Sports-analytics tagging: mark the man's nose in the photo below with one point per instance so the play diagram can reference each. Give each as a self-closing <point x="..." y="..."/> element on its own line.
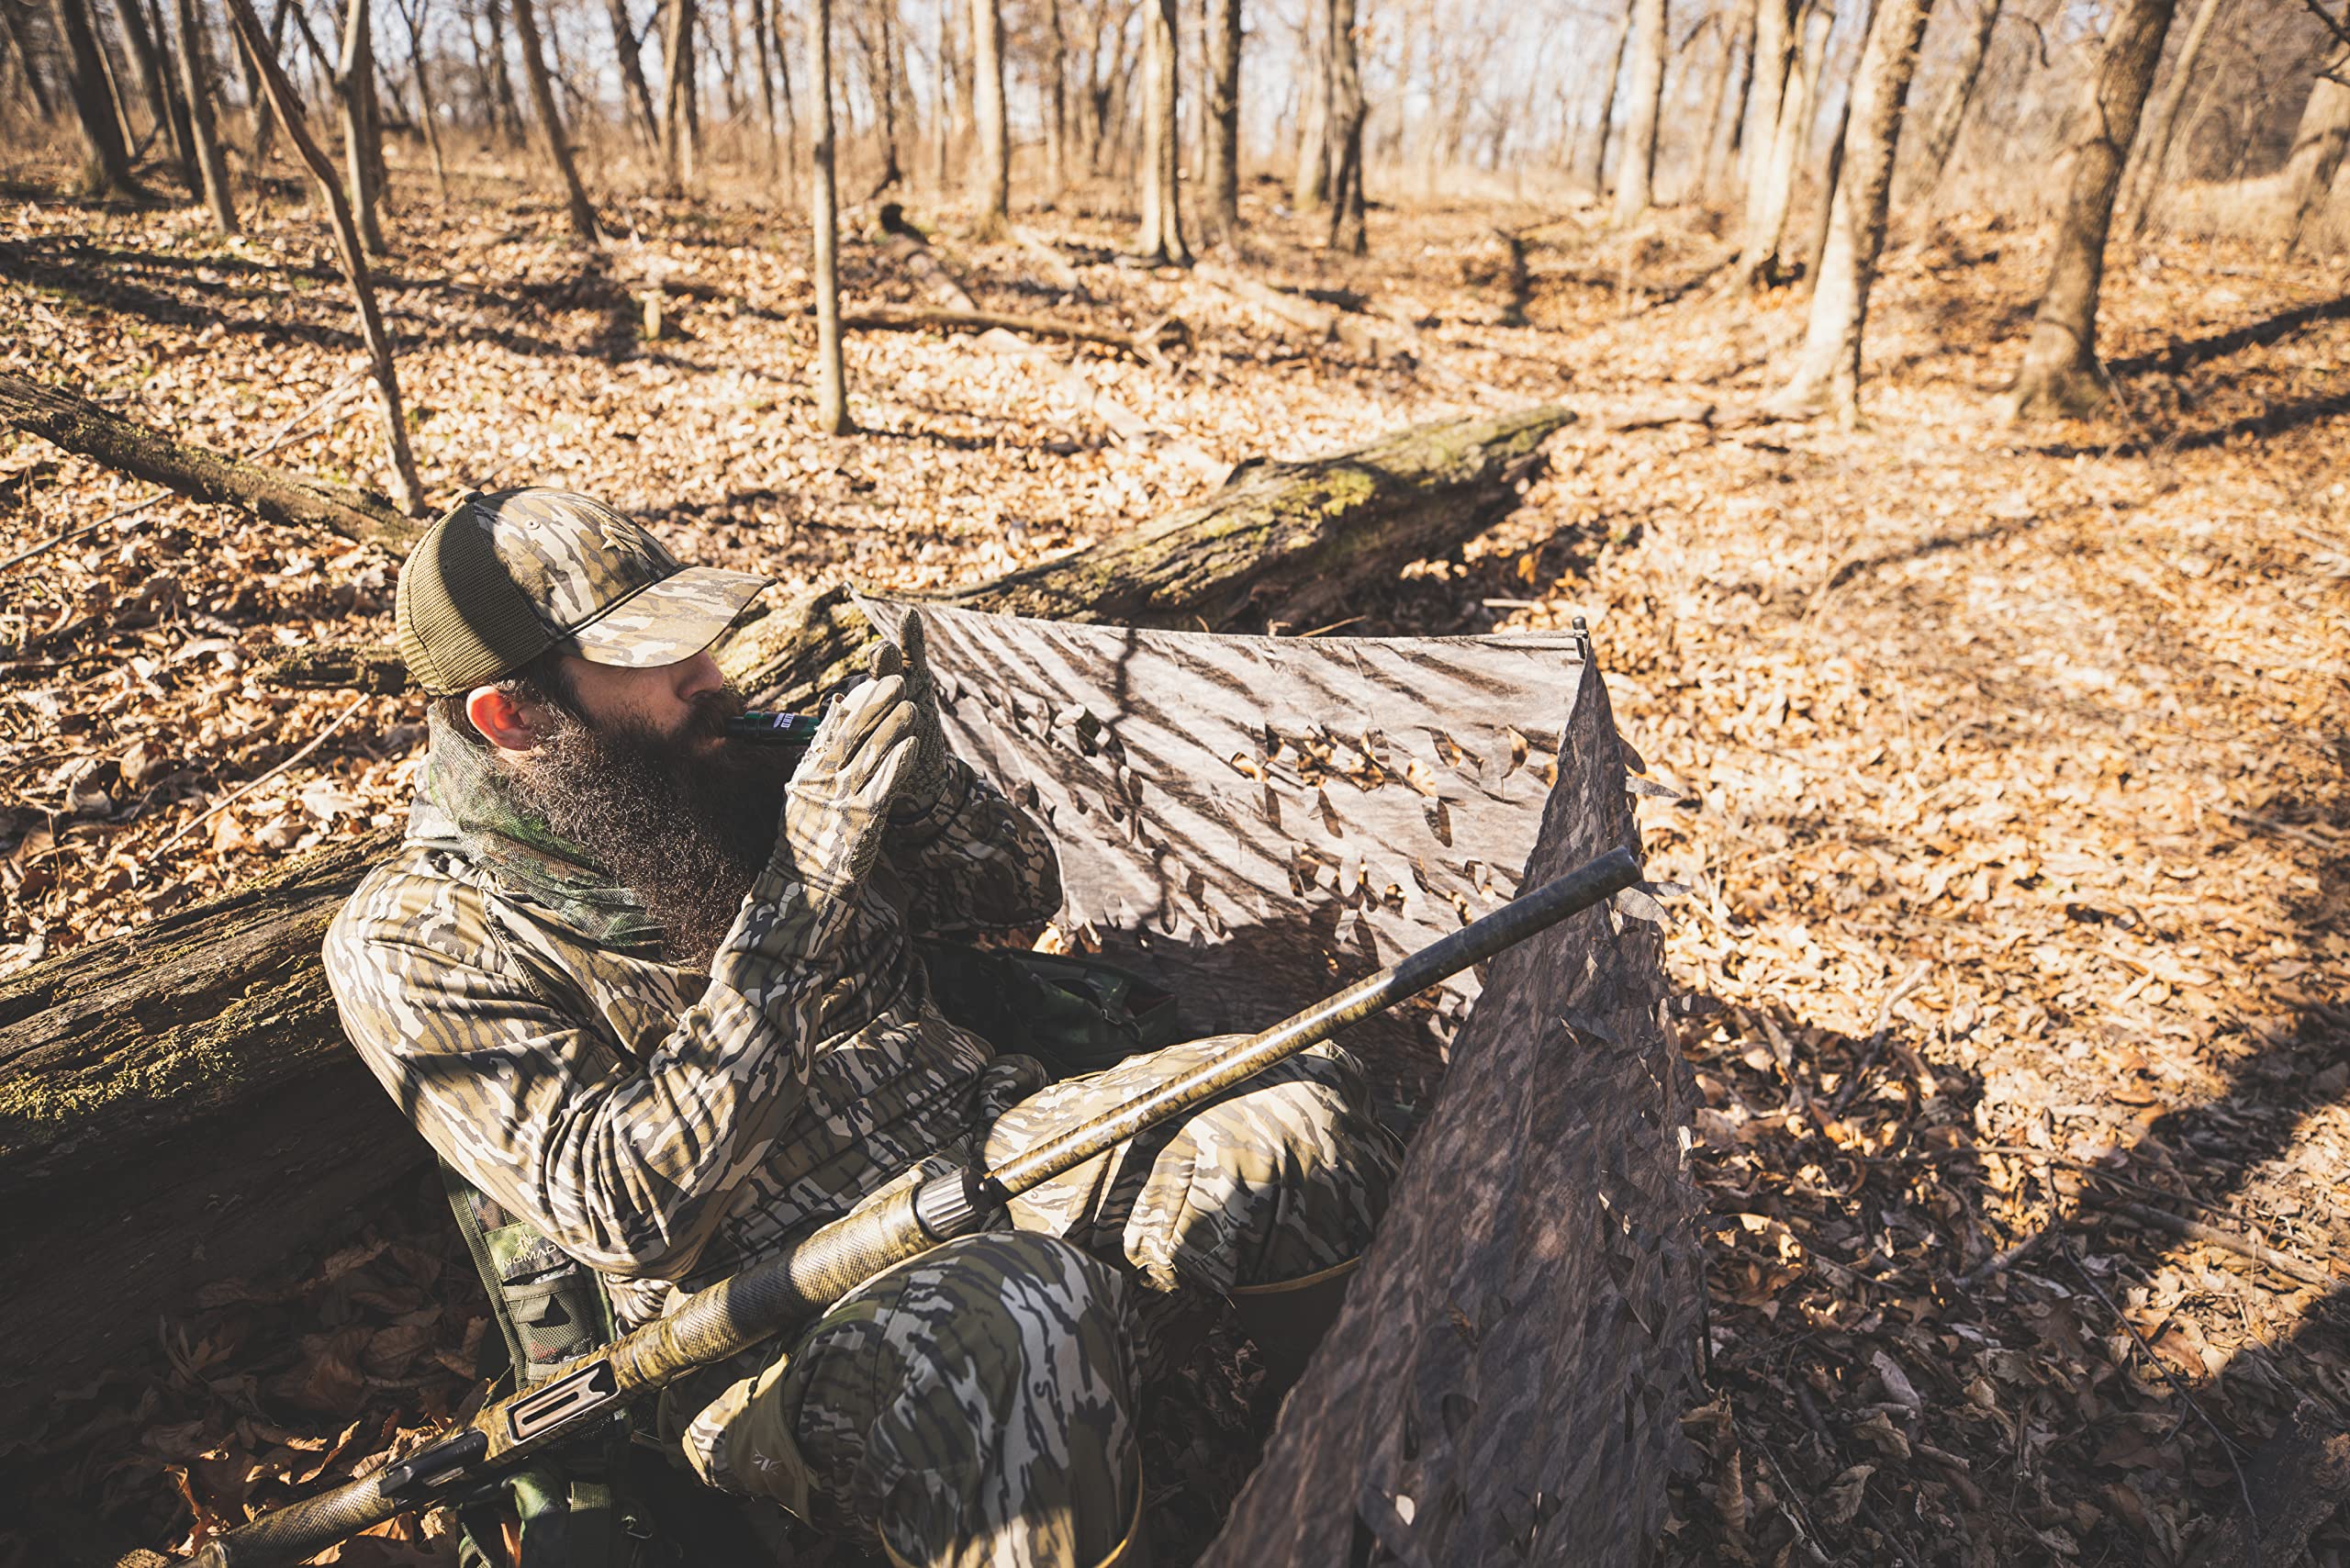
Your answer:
<point x="699" y="675"/>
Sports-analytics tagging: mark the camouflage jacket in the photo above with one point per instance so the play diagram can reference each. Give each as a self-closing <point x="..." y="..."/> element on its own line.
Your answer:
<point x="664" y="1126"/>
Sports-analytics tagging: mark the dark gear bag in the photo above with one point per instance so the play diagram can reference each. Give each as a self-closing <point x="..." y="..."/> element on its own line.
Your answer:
<point x="582" y="1506"/>
<point x="1075" y="1014"/>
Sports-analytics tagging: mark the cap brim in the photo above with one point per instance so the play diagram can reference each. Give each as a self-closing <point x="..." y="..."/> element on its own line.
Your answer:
<point x="675" y="619"/>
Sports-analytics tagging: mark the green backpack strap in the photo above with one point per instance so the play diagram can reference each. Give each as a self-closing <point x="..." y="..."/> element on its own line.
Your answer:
<point x="1074" y="1012"/>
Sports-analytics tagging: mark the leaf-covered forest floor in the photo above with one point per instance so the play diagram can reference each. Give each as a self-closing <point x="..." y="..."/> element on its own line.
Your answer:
<point x="2008" y="769"/>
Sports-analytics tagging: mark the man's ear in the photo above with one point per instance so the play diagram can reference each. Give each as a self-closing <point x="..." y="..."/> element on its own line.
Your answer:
<point x="504" y="723"/>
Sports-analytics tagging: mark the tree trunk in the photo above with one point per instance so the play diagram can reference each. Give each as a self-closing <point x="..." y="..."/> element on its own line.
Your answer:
<point x="195" y="83"/>
<point x="1778" y="145"/>
<point x="205" y="1044"/>
<point x="790" y="115"/>
<point x="1828" y="373"/>
<point x="1161" y="239"/>
<point x="991" y="170"/>
<point x="174" y="99"/>
<point x="1635" y="184"/>
<point x="677" y="79"/>
<point x="1311" y="187"/>
<point x="534" y="69"/>
<point x="1056" y="102"/>
<point x="824" y="216"/>
<point x="636" y="93"/>
<point x="264" y="118"/>
<point x="1596" y="171"/>
<point x="414" y="20"/>
<point x="196" y="472"/>
<point x="106" y="156"/>
<point x="27" y="61"/>
<point x="1223" y="212"/>
<point x="354" y="83"/>
<point x="892" y="88"/>
<point x="1737" y="41"/>
<point x="147" y="64"/>
<point x="2060" y="370"/>
<point x="1345" y="133"/>
<point x="1943" y="126"/>
<point x="406" y="492"/>
<point x="501" y="81"/>
<point x="2146" y="182"/>
<point x="2316" y="156"/>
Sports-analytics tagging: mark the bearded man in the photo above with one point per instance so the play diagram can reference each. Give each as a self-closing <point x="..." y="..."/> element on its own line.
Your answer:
<point x="659" y="999"/>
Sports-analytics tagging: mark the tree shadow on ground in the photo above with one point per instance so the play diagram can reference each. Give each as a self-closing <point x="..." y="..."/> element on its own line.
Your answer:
<point x="2179" y="354"/>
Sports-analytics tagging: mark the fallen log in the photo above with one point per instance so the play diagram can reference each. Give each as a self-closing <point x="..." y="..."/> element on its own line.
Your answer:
<point x="1281" y="541"/>
<point x="1142" y="342"/>
<point x="196" y="472"/>
<point x="175" y="1104"/>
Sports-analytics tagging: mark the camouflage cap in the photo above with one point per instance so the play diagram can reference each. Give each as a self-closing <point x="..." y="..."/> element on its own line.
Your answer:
<point x="504" y="576"/>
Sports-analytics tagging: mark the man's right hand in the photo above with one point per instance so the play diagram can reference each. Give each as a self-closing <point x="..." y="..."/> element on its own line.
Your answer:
<point x="837" y="805"/>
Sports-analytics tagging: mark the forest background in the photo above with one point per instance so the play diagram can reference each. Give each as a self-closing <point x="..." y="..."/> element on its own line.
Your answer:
<point x="1955" y="494"/>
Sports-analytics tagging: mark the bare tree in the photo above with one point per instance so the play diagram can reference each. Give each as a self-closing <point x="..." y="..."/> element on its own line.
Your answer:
<point x="195" y="83"/>
<point x="501" y="81"/>
<point x="534" y="70"/>
<point x="2153" y="155"/>
<point x="106" y="156"/>
<point x="676" y="92"/>
<point x="1737" y="30"/>
<point x="26" y="63"/>
<point x="355" y="85"/>
<point x="1828" y="373"/>
<point x="991" y="172"/>
<point x="2319" y="139"/>
<point x="831" y="371"/>
<point x="783" y="92"/>
<point x="1595" y="169"/>
<point x="1346" y="132"/>
<point x="1162" y="217"/>
<point x="1940" y="128"/>
<point x="412" y="17"/>
<point x="406" y="491"/>
<point x="147" y="64"/>
<point x="889" y="76"/>
<point x="1311" y="187"/>
<point x="1054" y="85"/>
<point x="1636" y="179"/>
<point x="2060" y="369"/>
<point x="1222" y="211"/>
<point x="1778" y="139"/>
<point x="636" y="91"/>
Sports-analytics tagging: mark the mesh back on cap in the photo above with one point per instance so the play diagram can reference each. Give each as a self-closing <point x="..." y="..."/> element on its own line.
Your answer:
<point x="460" y="618"/>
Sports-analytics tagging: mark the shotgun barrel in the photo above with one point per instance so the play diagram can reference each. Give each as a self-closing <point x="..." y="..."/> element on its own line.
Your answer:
<point x="799" y="1283"/>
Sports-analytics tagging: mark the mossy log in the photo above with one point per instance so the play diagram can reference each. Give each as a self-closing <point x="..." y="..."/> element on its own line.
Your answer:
<point x="176" y="1106"/>
<point x="196" y="472"/>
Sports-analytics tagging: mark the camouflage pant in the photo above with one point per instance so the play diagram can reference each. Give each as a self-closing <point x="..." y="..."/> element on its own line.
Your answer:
<point x="976" y="1406"/>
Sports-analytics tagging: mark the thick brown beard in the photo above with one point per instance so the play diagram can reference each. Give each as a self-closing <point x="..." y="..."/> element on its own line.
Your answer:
<point x="684" y="827"/>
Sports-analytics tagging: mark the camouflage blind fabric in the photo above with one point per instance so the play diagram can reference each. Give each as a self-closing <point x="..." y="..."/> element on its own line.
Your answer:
<point x="1256" y="821"/>
<point x="1239" y="816"/>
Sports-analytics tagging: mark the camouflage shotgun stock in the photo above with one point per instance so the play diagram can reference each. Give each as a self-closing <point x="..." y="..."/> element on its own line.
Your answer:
<point x="798" y="1285"/>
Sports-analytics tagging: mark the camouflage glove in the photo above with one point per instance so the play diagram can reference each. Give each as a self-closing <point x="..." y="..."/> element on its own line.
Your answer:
<point x="837" y="804"/>
<point x="926" y="777"/>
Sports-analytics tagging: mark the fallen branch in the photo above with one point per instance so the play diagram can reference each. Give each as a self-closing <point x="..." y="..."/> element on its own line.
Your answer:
<point x="253" y="784"/>
<point x="196" y="472"/>
<point x="1143" y="343"/>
